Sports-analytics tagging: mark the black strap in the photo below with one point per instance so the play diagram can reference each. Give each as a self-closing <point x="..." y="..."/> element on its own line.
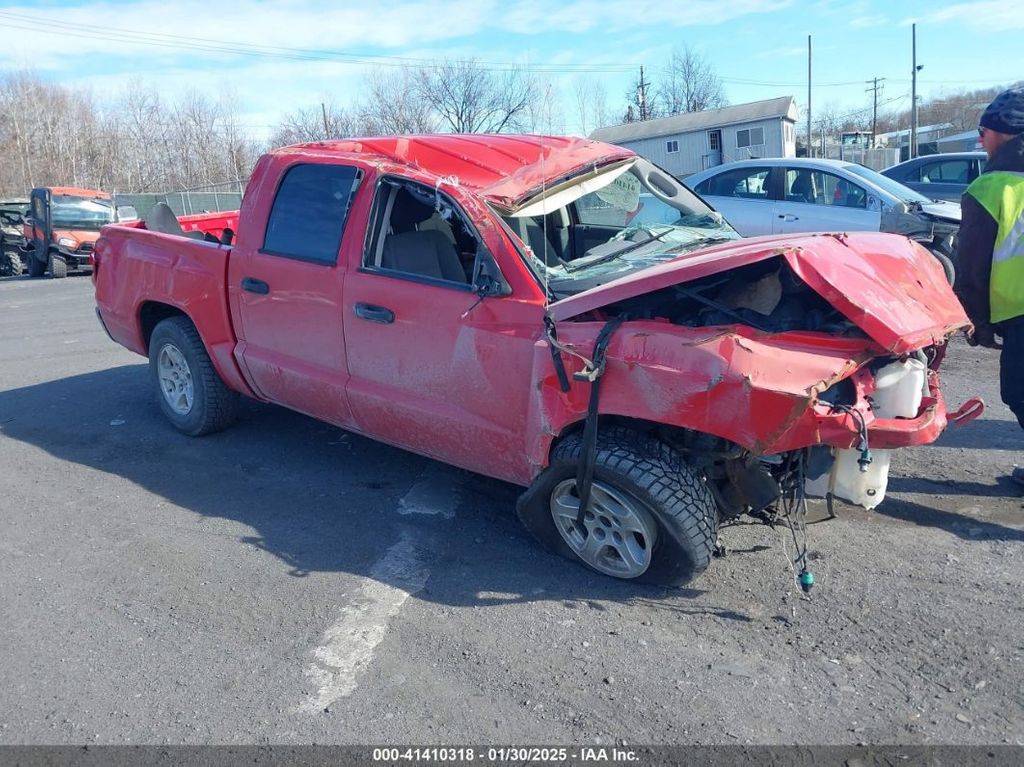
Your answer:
<point x="585" y="470"/>
<point x="556" y="356"/>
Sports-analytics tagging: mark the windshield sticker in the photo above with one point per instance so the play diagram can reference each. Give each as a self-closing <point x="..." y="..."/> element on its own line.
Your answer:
<point x="622" y="193"/>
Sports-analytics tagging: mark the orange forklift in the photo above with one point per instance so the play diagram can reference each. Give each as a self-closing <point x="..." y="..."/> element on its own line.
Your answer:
<point x="62" y="227"/>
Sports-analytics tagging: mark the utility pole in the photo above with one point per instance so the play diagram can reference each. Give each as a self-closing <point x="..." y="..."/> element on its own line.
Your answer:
<point x="808" y="95"/>
<point x="913" y="92"/>
<point x="327" y="130"/>
<point x="875" y="87"/>
<point x="641" y="97"/>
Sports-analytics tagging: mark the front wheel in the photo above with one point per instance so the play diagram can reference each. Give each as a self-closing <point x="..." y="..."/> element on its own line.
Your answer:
<point x="10" y="263"/>
<point x="188" y="389"/>
<point x="58" y="267"/>
<point x="650" y="517"/>
<point x="947" y="264"/>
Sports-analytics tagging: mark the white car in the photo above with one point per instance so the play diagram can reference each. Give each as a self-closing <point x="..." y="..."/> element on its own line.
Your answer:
<point x="794" y="194"/>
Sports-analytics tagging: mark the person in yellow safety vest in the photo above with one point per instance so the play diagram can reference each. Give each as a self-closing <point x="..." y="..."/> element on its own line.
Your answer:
<point x="990" y="254"/>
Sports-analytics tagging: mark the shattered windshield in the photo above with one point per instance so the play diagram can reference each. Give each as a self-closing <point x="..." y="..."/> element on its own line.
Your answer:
<point x="80" y="212"/>
<point x="639" y="217"/>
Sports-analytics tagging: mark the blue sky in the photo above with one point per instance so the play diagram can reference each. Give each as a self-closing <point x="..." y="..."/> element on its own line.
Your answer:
<point x="273" y="57"/>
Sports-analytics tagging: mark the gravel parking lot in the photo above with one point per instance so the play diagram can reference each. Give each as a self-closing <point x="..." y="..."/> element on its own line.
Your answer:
<point x="287" y="582"/>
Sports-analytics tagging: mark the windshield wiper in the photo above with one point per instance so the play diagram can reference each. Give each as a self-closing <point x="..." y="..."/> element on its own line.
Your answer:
<point x="600" y="258"/>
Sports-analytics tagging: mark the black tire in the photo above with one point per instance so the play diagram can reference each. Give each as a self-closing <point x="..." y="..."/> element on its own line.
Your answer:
<point x="649" y="473"/>
<point x="947" y="265"/>
<point x="36" y="268"/>
<point x="214" y="406"/>
<point x="58" y="266"/>
<point x="10" y="263"/>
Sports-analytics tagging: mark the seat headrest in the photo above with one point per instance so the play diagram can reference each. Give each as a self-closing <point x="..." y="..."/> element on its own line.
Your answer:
<point x="160" y="218"/>
<point x="407" y="211"/>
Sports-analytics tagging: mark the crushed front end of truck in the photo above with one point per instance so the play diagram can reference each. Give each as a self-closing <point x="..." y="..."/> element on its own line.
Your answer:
<point x="769" y="363"/>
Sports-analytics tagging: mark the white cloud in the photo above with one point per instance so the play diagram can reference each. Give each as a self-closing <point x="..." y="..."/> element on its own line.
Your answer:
<point x="984" y="15"/>
<point x="289" y="52"/>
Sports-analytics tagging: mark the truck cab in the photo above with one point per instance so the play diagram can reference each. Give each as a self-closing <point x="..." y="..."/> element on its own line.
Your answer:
<point x="62" y="228"/>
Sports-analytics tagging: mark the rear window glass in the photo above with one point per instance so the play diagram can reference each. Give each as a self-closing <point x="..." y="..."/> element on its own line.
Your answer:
<point x="309" y="212"/>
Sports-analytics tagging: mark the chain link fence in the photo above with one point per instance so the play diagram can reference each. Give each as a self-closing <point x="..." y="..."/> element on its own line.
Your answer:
<point x="204" y="199"/>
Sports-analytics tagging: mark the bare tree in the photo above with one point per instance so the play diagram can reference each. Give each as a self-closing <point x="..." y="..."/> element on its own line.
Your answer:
<point x="57" y="136"/>
<point x="394" y="103"/>
<point x="469" y="98"/>
<point x="544" y="112"/>
<point x="591" y="101"/>
<point x="323" y="122"/>
<point x="690" y="84"/>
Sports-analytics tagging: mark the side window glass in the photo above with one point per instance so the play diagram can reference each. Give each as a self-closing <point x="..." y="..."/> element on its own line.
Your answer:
<point x="421" y="231"/>
<point x="744" y="183"/>
<point x="954" y="171"/>
<point x="309" y="212"/>
<point x="820" y="188"/>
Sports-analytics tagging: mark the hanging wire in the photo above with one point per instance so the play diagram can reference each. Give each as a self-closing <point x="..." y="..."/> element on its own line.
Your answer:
<point x="793" y="505"/>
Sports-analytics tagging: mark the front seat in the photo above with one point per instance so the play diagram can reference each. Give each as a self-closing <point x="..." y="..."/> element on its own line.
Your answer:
<point x="801" y="190"/>
<point x="428" y="252"/>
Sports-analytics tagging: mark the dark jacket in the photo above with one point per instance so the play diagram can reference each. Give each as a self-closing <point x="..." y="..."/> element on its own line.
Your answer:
<point x="978" y="236"/>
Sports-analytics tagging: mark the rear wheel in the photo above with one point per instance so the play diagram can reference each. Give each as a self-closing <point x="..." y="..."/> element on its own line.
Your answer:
<point x="188" y="389"/>
<point x="650" y="516"/>
<point x="58" y="266"/>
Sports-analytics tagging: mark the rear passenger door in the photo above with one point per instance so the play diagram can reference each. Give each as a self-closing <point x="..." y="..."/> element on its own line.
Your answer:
<point x="285" y="285"/>
<point x="743" y="196"/>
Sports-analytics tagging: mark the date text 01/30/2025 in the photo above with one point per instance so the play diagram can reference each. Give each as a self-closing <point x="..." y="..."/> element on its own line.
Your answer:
<point x="519" y="754"/>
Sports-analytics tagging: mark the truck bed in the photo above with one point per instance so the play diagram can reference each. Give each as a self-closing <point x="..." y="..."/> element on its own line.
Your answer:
<point x="142" y="276"/>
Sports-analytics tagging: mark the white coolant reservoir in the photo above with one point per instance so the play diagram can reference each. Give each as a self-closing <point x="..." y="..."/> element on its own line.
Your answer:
<point x="899" y="387"/>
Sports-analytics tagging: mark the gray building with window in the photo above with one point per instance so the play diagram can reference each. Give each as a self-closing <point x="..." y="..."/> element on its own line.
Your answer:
<point x="687" y="143"/>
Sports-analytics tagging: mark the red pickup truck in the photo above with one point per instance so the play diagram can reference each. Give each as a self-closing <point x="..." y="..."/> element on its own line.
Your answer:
<point x="558" y="313"/>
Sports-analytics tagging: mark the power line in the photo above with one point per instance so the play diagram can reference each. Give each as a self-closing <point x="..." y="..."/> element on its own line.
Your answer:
<point x="181" y="42"/>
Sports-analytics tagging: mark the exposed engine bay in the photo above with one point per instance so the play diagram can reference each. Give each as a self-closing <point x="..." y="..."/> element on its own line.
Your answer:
<point x="766" y="296"/>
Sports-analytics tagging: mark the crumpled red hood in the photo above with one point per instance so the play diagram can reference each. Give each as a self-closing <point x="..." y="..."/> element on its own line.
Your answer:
<point x="890" y="287"/>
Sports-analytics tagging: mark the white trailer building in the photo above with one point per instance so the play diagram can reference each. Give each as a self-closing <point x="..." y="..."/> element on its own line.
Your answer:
<point x="686" y="143"/>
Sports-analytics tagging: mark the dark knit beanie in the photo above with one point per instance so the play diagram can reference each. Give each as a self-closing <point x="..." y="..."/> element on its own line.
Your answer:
<point x="1006" y="113"/>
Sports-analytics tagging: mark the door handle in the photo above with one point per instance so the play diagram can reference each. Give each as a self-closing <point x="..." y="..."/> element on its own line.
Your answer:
<point x="255" y="286"/>
<point x="375" y="313"/>
<point x="789" y="217"/>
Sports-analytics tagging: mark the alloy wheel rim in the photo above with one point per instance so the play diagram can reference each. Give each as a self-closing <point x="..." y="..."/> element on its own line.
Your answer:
<point x="175" y="379"/>
<point x="618" y="534"/>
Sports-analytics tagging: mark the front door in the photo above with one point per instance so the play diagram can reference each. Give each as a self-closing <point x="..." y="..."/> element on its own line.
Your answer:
<point x="286" y="287"/>
<point x="714" y="148"/>
<point x="434" y="367"/>
<point x="817" y="201"/>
